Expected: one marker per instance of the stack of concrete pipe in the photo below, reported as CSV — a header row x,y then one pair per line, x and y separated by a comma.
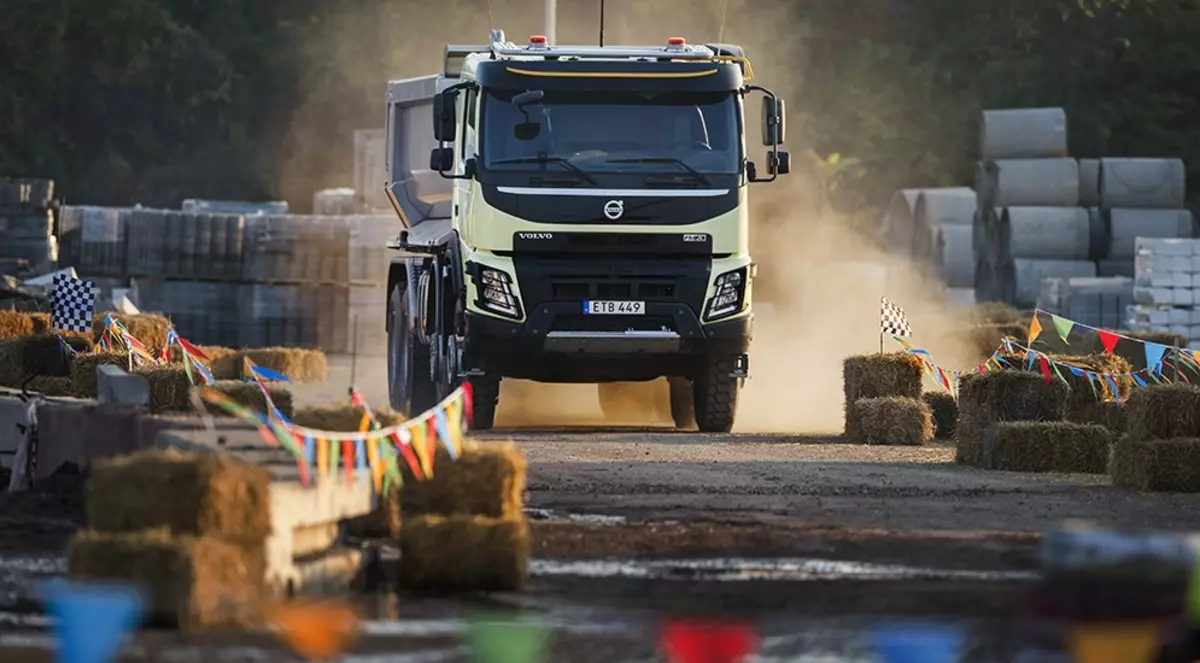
x,y
931,228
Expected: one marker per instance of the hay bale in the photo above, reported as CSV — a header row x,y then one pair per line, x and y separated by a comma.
x,y
944,409
486,480
170,388
1161,337
877,376
299,364
998,396
464,554
189,583
203,495
985,338
1157,465
14,324
37,354
248,394
1080,389
1111,415
1164,412
894,420
342,418
148,328
83,370
41,322
224,363
51,386
1047,446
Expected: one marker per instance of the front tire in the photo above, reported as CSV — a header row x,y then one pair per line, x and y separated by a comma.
x,y
683,404
715,397
410,389
485,396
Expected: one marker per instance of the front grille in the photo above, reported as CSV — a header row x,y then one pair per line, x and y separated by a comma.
x,y
612,323
632,288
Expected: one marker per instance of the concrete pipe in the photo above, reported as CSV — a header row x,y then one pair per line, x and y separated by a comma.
x,y
957,257
936,208
1144,183
1126,225
1034,182
1089,182
1028,274
1045,233
1023,133
899,223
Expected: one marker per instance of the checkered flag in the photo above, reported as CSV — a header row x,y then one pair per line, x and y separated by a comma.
x,y
72,303
892,319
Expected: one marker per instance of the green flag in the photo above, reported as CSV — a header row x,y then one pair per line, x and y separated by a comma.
x,y
509,641
1192,607
1062,326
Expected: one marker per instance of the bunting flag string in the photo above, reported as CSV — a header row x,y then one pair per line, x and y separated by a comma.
x,y
193,357
1155,353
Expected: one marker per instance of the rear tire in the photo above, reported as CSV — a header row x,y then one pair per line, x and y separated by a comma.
x,y
410,389
485,392
683,405
715,397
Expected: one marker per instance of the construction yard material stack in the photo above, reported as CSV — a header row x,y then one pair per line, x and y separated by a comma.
x,y
27,225
1014,420
464,527
190,530
1161,451
1167,288
883,403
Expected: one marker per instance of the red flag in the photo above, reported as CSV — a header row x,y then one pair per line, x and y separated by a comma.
x,y
1044,364
1108,340
191,349
469,402
348,460
708,641
409,457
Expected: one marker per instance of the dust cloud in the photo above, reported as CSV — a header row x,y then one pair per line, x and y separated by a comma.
x,y
818,286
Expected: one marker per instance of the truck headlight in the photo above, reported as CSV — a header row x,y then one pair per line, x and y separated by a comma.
x,y
730,295
495,293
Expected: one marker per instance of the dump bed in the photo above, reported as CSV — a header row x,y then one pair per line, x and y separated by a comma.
x,y
421,194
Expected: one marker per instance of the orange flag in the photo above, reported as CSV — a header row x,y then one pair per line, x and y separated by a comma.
x,y
1133,642
1035,329
318,631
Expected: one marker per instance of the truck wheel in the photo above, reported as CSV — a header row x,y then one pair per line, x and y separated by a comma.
x,y
683,407
626,401
410,388
485,394
715,397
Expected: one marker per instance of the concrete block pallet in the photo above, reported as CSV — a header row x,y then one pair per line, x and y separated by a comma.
x,y
27,222
1166,289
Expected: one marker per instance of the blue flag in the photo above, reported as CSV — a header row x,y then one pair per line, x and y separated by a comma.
x,y
91,621
922,643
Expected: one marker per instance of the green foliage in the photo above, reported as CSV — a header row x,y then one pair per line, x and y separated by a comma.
x,y
152,101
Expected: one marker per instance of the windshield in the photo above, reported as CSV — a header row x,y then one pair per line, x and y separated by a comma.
x,y
613,132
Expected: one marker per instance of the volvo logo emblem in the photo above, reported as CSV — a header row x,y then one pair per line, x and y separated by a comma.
x,y
613,209
535,235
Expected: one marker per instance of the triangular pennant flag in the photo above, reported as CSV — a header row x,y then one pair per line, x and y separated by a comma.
x,y
708,641
323,460
92,621
403,441
1114,643
1154,355
375,463
1044,366
1063,326
1108,340
442,424
348,461
267,374
318,631
1035,329
917,643
417,442
1112,385
1138,380
510,641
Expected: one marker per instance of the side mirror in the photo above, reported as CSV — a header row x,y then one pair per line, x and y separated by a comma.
x,y
469,168
526,130
781,164
751,171
527,97
441,159
772,121
445,124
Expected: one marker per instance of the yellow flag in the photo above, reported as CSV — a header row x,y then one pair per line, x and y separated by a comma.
x,y
375,463
364,424
1035,329
454,425
421,449
323,459
1132,642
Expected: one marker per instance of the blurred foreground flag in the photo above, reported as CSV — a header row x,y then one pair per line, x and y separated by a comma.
x,y
507,641
917,643
318,631
1132,642
708,641
92,621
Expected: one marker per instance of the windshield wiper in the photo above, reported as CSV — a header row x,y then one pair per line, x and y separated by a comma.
x,y
700,178
581,173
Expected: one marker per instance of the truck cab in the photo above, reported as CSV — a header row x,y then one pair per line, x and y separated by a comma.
x,y
575,214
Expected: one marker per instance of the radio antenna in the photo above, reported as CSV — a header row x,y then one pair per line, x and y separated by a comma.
x,y
601,22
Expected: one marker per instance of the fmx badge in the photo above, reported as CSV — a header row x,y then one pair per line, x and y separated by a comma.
x,y
613,209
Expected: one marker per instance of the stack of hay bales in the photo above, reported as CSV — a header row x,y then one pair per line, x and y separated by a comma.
x,y
464,528
944,409
170,391
384,522
1161,451
1013,420
189,529
883,400
39,356
1092,403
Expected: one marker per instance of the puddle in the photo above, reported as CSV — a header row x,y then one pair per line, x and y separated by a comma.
x,y
740,569
20,575
582,518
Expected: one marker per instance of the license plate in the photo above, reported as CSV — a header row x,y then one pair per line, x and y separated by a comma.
x,y
614,308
